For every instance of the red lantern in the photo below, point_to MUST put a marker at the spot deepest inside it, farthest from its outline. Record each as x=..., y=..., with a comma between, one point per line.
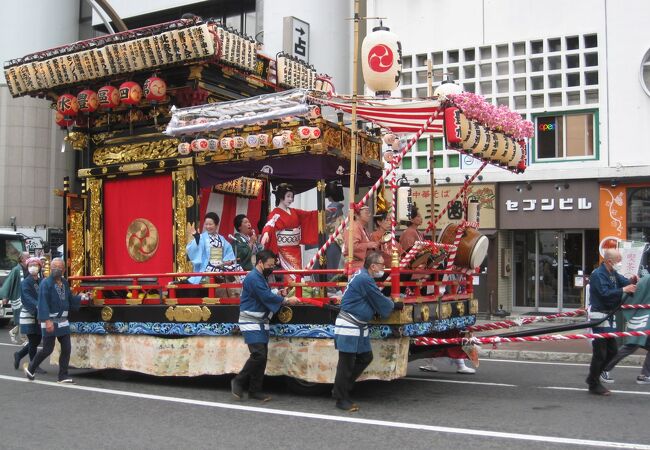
x=130, y=93
x=88, y=101
x=108, y=97
x=155, y=89
x=67, y=105
x=62, y=121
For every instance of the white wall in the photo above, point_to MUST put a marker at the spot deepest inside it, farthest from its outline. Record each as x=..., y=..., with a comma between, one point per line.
x=130, y=8
x=31, y=164
x=330, y=34
x=34, y=25
x=628, y=39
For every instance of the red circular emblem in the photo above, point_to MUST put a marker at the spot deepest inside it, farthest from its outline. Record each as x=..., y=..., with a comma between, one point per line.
x=380, y=58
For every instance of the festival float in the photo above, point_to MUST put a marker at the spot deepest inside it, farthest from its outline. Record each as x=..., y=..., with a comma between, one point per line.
x=175, y=120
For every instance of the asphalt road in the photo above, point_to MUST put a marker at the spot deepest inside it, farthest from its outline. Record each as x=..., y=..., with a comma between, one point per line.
x=506, y=405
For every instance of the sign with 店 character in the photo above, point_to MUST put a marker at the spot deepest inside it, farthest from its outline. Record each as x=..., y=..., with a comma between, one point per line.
x=295, y=38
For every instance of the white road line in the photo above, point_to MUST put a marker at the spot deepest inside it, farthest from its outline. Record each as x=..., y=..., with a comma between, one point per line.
x=563, y=388
x=437, y=380
x=550, y=363
x=11, y=345
x=345, y=419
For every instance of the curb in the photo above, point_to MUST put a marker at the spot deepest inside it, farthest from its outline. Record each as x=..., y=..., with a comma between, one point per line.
x=526, y=355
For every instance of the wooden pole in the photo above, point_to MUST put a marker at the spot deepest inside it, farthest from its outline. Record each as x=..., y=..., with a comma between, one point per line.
x=353, y=136
x=432, y=180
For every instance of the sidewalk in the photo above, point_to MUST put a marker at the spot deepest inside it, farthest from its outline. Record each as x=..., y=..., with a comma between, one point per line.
x=574, y=351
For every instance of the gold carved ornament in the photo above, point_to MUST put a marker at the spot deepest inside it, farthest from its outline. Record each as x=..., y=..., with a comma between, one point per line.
x=142, y=240
x=141, y=151
x=180, y=178
x=285, y=314
x=473, y=306
x=76, y=244
x=445, y=311
x=107, y=313
x=188, y=313
x=460, y=307
x=95, y=243
x=424, y=312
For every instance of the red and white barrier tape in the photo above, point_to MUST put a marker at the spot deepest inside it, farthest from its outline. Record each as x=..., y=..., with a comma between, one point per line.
x=551, y=337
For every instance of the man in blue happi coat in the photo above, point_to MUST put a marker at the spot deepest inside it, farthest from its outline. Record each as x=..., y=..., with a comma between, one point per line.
x=361, y=302
x=55, y=301
x=256, y=306
x=606, y=289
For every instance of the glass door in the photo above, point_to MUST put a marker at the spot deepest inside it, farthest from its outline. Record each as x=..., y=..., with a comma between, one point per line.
x=547, y=263
x=524, y=269
x=573, y=261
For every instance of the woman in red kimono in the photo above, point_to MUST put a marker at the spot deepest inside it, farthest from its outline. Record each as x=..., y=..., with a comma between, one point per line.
x=287, y=228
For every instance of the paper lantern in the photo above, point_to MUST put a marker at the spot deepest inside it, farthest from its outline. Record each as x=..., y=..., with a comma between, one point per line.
x=88, y=101
x=184, y=148
x=108, y=97
x=130, y=93
x=154, y=89
x=200, y=145
x=61, y=120
x=447, y=87
x=303, y=132
x=67, y=105
x=381, y=60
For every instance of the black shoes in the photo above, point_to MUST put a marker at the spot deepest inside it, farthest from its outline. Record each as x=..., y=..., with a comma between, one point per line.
x=599, y=390
x=261, y=396
x=347, y=405
x=236, y=389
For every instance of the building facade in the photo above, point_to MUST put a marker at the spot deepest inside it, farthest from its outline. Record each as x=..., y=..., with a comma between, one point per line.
x=580, y=72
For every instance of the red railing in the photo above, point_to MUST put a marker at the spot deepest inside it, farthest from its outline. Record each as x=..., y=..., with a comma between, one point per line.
x=107, y=289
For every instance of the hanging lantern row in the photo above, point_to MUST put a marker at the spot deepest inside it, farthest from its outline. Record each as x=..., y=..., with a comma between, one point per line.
x=251, y=141
x=109, y=97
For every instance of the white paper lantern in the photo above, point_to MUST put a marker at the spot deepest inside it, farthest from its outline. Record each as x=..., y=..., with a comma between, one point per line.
x=447, y=87
x=381, y=60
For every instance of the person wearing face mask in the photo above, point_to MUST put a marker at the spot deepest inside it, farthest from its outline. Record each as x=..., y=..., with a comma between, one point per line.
x=606, y=289
x=28, y=324
x=55, y=300
x=257, y=305
x=361, y=302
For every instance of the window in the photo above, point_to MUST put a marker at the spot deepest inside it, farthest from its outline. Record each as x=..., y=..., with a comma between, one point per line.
x=565, y=136
x=407, y=164
x=422, y=162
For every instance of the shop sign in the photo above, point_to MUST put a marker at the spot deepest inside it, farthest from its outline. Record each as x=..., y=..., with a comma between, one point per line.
x=549, y=205
x=444, y=197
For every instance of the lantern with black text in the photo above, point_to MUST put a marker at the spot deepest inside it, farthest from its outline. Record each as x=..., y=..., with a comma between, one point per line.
x=109, y=97
x=381, y=60
x=155, y=89
x=130, y=93
x=67, y=105
x=88, y=101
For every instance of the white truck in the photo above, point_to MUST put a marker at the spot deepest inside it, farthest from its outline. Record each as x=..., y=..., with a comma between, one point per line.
x=11, y=245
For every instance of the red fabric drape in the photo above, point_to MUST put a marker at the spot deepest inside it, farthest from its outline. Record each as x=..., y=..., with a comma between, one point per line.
x=128, y=199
